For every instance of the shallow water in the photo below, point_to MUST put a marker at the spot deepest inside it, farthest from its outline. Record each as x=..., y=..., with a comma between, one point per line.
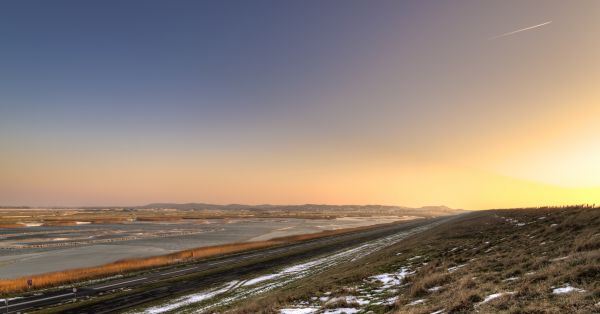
x=35, y=250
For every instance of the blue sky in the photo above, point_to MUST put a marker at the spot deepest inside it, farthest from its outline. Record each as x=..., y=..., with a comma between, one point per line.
x=105, y=102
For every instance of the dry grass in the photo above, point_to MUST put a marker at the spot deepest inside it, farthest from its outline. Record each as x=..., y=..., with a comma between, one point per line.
x=541, y=249
x=129, y=265
x=160, y=218
x=116, y=215
x=59, y=223
x=523, y=253
x=426, y=280
x=12, y=225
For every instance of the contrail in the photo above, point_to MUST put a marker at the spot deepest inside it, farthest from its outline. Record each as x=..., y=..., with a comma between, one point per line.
x=520, y=30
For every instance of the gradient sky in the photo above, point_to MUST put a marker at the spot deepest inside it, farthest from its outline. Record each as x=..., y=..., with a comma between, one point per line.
x=390, y=102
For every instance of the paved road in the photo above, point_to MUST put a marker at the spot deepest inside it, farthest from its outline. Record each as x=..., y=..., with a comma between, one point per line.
x=226, y=268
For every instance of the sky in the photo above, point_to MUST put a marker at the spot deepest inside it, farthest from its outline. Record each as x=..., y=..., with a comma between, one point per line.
x=469, y=104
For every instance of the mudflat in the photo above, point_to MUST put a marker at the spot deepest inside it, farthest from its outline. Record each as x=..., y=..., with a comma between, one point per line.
x=40, y=249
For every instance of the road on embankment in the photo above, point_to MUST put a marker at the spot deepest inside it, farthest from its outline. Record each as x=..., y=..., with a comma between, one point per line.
x=165, y=282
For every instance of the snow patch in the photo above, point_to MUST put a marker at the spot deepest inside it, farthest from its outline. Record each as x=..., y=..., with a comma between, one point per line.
x=566, y=289
x=415, y=302
x=390, y=301
x=359, y=301
x=237, y=291
x=494, y=296
x=260, y=279
x=455, y=268
x=392, y=279
x=306, y=310
x=342, y=310
x=193, y=298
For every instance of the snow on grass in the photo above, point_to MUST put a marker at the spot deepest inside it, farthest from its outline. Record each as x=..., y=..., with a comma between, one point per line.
x=392, y=279
x=455, y=268
x=360, y=301
x=260, y=279
x=433, y=289
x=193, y=298
x=515, y=222
x=511, y=279
x=365, y=295
x=348, y=299
x=494, y=296
x=342, y=310
x=306, y=310
x=261, y=284
x=566, y=289
x=438, y=311
x=416, y=302
x=387, y=279
x=390, y=301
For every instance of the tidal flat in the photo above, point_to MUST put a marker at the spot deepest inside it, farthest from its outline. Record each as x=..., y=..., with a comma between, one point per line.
x=41, y=249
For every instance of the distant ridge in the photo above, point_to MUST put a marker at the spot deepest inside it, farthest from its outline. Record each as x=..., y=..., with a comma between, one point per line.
x=368, y=209
x=269, y=209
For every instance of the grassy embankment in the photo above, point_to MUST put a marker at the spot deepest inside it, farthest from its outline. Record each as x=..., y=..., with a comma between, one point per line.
x=520, y=256
x=130, y=265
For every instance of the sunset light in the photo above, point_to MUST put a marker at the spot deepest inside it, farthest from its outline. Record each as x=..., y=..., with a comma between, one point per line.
x=299, y=157
x=468, y=105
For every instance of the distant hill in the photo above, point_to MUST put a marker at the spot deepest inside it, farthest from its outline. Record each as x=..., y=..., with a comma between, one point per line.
x=266, y=210
x=313, y=208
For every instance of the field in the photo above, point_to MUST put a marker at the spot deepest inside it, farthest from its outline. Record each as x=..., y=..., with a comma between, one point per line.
x=540, y=260
x=28, y=217
x=128, y=265
x=253, y=271
x=543, y=260
x=35, y=250
x=42, y=240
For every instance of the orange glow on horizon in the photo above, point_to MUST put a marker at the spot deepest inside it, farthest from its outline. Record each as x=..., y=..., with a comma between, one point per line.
x=436, y=107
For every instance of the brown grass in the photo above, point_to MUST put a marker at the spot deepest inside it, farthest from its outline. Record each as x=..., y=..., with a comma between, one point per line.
x=426, y=280
x=59, y=223
x=129, y=265
x=160, y=218
x=555, y=247
x=15, y=225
